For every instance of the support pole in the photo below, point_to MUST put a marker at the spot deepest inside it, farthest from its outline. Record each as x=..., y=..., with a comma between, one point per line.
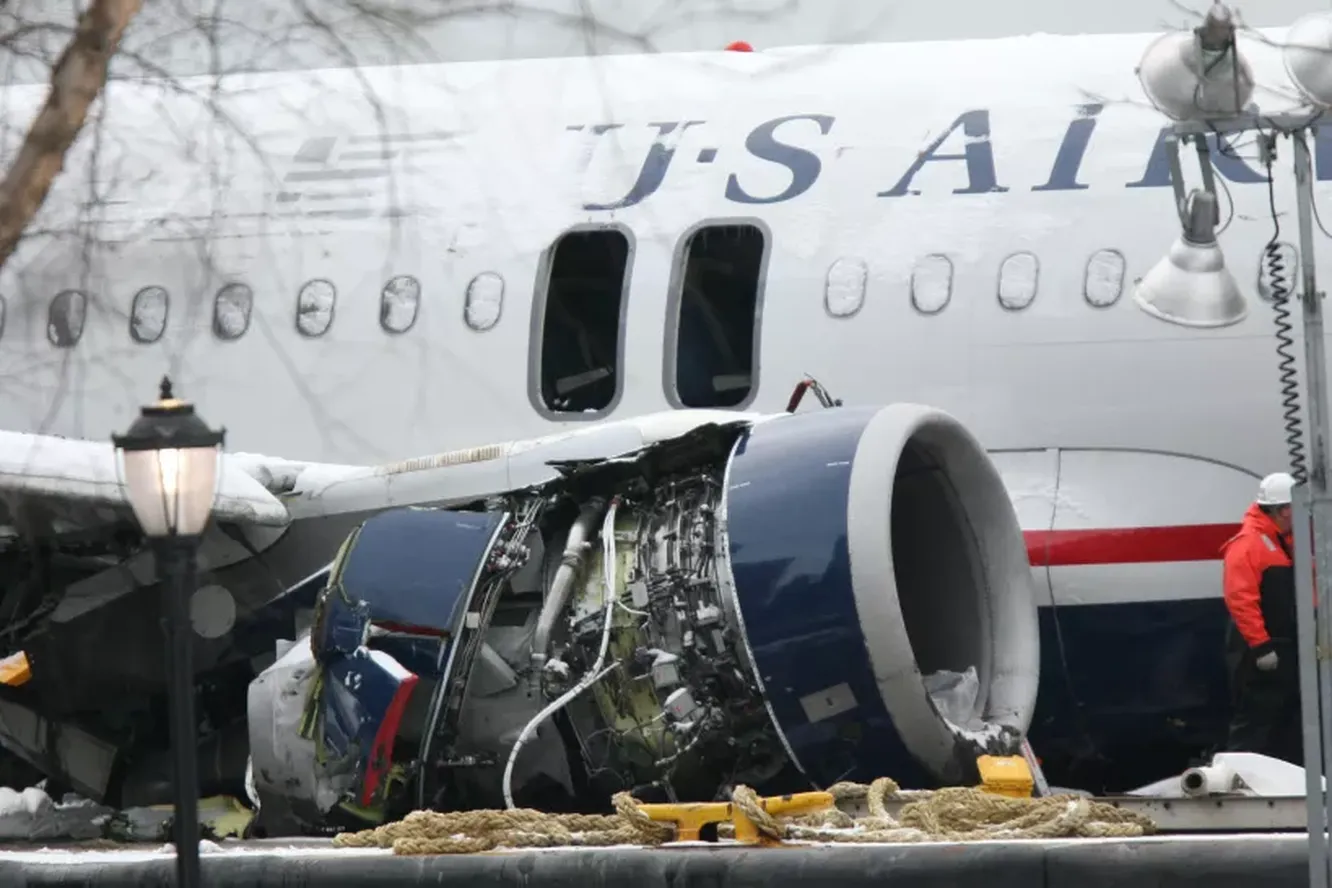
x=1301, y=523
x=1316, y=665
x=176, y=568
x=1315, y=358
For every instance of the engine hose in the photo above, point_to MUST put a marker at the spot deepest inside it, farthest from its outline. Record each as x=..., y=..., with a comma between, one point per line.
x=594, y=674
x=1275, y=261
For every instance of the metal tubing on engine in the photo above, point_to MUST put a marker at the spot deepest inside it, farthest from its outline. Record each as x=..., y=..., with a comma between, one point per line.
x=595, y=673
x=575, y=547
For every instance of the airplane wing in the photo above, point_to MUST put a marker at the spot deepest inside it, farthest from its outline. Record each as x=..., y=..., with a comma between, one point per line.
x=74, y=485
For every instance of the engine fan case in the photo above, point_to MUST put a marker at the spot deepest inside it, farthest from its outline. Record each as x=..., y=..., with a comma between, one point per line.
x=868, y=547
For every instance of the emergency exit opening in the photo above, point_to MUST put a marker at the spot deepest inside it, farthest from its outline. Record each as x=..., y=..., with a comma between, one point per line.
x=580, y=332
x=717, y=325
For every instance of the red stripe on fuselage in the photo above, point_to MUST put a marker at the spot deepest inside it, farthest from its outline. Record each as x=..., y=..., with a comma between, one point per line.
x=1127, y=545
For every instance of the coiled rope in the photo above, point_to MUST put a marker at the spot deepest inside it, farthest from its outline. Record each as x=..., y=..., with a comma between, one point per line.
x=947, y=815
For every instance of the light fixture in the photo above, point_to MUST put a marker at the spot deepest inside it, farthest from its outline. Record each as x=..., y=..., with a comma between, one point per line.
x=168, y=462
x=1308, y=56
x=1198, y=74
x=1191, y=286
x=169, y=467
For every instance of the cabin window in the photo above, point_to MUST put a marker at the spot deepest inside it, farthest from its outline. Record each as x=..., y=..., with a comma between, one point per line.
x=1019, y=276
x=716, y=343
x=148, y=315
x=580, y=329
x=1289, y=271
x=1103, y=283
x=932, y=283
x=65, y=318
x=484, y=301
x=232, y=307
x=399, y=304
x=844, y=287
x=314, y=307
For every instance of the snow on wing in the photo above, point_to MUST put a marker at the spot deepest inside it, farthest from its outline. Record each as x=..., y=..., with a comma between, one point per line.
x=78, y=472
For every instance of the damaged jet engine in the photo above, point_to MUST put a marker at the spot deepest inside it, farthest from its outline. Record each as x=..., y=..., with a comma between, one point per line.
x=756, y=602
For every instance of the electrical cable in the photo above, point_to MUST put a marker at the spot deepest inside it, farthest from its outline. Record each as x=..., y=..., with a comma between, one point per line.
x=1288, y=375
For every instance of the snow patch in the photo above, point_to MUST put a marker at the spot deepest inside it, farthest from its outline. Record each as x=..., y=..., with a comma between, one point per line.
x=954, y=695
x=31, y=814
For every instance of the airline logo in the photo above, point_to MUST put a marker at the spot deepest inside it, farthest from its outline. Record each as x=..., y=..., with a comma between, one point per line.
x=340, y=177
x=680, y=142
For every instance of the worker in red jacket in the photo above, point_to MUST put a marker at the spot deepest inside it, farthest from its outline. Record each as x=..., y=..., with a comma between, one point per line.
x=1259, y=584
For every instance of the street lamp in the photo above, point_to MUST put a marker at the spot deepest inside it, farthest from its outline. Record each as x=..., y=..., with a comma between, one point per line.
x=1191, y=285
x=1195, y=75
x=1190, y=292
x=168, y=465
x=1198, y=74
x=1308, y=57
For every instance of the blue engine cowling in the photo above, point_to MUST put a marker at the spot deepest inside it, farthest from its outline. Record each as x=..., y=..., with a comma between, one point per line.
x=870, y=548
x=394, y=610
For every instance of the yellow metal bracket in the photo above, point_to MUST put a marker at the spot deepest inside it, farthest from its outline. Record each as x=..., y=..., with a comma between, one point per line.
x=690, y=818
x=15, y=670
x=1005, y=775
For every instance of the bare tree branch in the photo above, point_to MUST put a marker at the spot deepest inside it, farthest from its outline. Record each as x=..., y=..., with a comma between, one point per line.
x=76, y=81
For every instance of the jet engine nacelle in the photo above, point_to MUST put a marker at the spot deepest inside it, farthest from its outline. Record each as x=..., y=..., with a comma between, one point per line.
x=785, y=598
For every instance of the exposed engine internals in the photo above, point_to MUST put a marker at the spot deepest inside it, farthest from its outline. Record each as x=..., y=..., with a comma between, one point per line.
x=741, y=603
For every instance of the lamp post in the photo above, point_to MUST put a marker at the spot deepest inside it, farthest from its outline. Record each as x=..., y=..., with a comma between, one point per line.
x=1203, y=83
x=168, y=462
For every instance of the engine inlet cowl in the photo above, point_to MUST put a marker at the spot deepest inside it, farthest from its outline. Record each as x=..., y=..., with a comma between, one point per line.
x=875, y=556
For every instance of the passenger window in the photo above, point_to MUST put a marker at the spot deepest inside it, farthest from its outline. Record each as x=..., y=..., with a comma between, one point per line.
x=1018, y=277
x=231, y=311
x=580, y=330
x=932, y=283
x=65, y=318
x=484, y=302
x=717, y=320
x=399, y=304
x=1103, y=282
x=314, y=307
x=148, y=315
x=844, y=287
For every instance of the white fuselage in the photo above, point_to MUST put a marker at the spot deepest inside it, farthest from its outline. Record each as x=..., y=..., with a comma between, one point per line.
x=490, y=163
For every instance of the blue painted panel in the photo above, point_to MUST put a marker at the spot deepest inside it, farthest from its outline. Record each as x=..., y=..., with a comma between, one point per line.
x=1130, y=693
x=358, y=693
x=410, y=567
x=786, y=517
x=413, y=567
x=255, y=632
x=340, y=629
x=419, y=655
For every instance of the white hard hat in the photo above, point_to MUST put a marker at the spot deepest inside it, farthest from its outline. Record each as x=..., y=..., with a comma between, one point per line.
x=1274, y=490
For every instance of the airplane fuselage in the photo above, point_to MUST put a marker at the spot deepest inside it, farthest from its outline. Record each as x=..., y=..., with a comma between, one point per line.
x=958, y=225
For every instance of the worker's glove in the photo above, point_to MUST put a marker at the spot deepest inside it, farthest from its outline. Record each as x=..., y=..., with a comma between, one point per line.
x=1267, y=662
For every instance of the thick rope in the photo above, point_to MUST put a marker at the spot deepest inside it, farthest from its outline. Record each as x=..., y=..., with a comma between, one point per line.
x=949, y=815
x=466, y=832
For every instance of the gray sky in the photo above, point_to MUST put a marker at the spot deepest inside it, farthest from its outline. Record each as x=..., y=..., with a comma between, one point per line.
x=270, y=35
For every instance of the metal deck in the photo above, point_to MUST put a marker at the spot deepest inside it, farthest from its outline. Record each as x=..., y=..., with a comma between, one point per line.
x=1248, y=861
